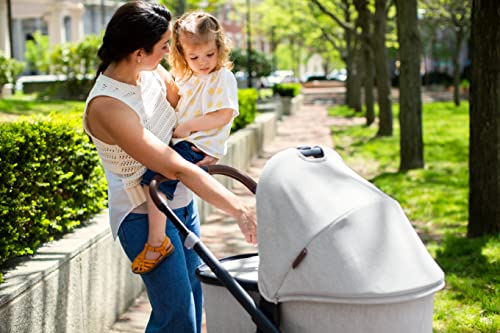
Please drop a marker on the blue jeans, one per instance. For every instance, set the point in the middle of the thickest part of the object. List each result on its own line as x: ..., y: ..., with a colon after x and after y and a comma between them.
x: 173, y: 290
x: 168, y: 187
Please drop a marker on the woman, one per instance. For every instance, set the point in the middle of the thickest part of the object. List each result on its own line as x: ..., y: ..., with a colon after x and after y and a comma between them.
x: 129, y: 117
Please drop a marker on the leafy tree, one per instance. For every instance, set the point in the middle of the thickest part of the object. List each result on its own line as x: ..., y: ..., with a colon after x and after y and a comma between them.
x: 455, y: 14
x: 410, y: 100
x: 343, y: 16
x: 284, y: 26
x: 261, y: 63
x: 484, y: 159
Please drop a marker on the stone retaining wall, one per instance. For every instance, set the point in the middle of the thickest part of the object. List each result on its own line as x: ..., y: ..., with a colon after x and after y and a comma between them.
x: 82, y: 283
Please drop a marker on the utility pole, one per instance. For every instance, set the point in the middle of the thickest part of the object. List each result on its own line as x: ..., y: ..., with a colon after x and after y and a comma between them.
x: 273, y: 49
x: 103, y: 15
x: 9, y: 25
x: 249, y: 47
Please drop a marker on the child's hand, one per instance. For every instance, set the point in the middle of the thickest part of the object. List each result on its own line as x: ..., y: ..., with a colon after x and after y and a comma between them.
x: 182, y: 131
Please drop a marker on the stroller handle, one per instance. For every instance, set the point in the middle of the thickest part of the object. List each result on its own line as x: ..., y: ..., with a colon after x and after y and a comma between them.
x: 263, y: 323
x: 231, y: 172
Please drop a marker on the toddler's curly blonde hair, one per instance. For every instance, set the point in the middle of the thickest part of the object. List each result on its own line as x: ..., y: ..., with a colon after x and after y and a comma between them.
x: 199, y: 27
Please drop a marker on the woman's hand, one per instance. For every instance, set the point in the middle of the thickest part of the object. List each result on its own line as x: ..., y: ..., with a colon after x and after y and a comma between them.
x: 248, y: 225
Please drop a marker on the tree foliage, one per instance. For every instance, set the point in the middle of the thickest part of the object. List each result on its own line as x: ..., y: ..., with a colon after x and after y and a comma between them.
x: 261, y: 63
x: 179, y: 7
x: 297, y: 31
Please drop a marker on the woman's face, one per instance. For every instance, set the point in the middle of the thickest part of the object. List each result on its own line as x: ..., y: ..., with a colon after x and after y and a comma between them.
x: 160, y: 49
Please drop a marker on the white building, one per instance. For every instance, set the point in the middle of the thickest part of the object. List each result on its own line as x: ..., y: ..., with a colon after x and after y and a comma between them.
x: 62, y: 20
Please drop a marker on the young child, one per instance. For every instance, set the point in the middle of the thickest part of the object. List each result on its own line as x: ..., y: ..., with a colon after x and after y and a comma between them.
x: 199, y: 58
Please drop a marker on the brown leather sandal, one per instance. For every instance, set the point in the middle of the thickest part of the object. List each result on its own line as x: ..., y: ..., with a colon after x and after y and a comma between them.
x: 141, y: 265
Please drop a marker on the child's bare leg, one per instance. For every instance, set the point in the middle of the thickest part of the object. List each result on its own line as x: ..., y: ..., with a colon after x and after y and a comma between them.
x: 156, y: 226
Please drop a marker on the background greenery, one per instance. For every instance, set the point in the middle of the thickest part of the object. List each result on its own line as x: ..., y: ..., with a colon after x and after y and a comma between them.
x: 435, y: 199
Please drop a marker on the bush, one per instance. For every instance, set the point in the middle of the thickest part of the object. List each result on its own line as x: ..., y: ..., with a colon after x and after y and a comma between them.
x: 77, y: 62
x: 287, y: 89
x: 37, y: 54
x: 9, y: 70
x: 51, y: 179
x: 247, y: 101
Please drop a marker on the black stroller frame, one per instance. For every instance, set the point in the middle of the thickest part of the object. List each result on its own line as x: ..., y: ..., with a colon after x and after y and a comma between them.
x: 258, y: 314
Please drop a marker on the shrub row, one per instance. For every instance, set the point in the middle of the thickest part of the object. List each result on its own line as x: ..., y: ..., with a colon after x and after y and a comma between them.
x: 287, y: 89
x: 247, y: 100
x: 51, y: 179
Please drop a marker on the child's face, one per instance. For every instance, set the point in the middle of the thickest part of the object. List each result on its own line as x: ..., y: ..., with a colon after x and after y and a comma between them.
x: 201, y: 58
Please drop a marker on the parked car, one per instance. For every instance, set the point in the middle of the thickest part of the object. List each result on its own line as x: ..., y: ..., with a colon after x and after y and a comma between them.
x: 338, y: 75
x: 279, y: 76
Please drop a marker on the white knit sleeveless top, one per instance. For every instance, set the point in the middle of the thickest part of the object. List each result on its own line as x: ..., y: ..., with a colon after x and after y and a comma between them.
x: 123, y: 173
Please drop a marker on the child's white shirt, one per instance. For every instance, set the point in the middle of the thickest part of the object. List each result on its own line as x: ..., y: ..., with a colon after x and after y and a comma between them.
x: 202, y: 94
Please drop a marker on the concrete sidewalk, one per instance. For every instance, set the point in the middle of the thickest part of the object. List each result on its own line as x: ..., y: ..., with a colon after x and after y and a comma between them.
x: 309, y: 126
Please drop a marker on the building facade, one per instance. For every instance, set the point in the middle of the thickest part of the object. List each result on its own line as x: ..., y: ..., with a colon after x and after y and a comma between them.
x: 61, y: 20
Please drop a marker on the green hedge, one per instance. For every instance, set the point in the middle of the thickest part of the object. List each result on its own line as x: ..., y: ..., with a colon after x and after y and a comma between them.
x: 287, y: 89
x: 247, y: 101
x: 51, y: 180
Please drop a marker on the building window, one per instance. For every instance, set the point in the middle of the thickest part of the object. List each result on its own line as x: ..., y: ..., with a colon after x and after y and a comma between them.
x: 67, y: 28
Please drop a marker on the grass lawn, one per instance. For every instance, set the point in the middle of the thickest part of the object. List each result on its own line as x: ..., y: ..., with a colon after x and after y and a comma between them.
x: 20, y: 106
x: 436, y: 201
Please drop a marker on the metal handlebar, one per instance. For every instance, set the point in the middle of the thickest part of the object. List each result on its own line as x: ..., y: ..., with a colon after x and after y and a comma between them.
x: 231, y: 172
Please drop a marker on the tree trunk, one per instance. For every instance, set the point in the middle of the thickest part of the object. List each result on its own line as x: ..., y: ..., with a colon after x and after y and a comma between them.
x: 349, y: 63
x: 484, y: 152
x: 410, y: 100
x: 354, y: 83
x: 364, y: 23
x: 459, y: 36
x: 382, y: 70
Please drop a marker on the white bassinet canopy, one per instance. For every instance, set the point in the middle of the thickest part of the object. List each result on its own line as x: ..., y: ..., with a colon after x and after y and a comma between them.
x: 360, y: 247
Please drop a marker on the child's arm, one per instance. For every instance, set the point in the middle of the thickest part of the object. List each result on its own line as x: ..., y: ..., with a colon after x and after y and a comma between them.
x: 211, y: 120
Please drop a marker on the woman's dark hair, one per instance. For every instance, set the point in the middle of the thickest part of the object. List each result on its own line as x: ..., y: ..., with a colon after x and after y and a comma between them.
x: 135, y: 25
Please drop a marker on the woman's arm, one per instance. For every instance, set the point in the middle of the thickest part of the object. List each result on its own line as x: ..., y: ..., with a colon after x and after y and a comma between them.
x: 115, y: 123
x: 211, y: 120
